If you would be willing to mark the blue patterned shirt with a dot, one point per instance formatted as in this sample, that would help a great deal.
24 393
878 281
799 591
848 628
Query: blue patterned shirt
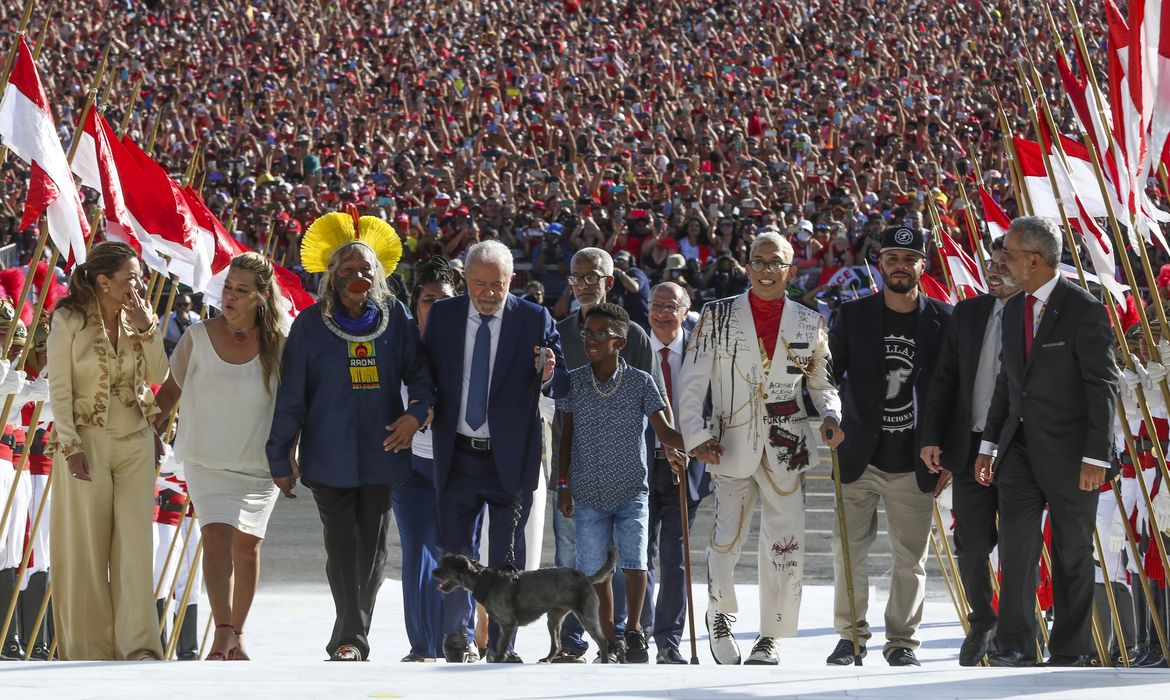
608 465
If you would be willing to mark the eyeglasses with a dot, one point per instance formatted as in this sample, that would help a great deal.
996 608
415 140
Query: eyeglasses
600 336
758 265
588 278
668 308
1009 253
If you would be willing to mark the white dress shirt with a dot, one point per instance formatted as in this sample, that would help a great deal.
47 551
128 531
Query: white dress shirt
1042 295
674 361
988 368
473 323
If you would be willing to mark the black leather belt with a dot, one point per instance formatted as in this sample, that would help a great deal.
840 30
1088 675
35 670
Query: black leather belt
473 443
8 439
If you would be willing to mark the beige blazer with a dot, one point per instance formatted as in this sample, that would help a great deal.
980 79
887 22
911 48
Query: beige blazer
79 373
753 408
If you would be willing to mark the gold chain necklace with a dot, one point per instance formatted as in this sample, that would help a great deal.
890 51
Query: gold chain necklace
616 379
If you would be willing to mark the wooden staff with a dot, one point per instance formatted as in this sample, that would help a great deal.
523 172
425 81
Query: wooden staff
959 612
187 506
181 615
10 611
844 537
1112 600
1132 538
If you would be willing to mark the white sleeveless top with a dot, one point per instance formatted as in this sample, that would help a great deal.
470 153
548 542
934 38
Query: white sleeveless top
225 412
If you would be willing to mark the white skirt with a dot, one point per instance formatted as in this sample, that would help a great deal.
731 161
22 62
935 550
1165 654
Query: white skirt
244 501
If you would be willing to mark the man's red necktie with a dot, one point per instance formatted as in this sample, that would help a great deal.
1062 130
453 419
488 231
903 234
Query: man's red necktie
1029 323
665 353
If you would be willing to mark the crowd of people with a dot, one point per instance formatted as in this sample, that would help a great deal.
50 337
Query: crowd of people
672 188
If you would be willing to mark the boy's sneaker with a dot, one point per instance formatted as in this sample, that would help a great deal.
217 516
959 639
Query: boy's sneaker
723 646
616 655
636 647
764 653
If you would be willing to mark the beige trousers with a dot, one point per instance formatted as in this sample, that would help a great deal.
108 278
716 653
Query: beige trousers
781 552
908 516
103 592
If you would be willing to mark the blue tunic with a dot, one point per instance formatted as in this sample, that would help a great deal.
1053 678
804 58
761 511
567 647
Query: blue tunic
326 394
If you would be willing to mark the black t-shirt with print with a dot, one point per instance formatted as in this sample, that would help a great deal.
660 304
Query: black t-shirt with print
895 448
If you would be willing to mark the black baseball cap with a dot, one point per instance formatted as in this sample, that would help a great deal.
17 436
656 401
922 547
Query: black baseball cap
904 238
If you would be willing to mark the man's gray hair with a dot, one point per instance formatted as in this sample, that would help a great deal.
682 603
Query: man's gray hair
491 252
684 299
783 247
601 258
1039 234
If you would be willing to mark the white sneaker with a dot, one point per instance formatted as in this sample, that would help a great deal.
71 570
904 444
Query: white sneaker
723 646
766 652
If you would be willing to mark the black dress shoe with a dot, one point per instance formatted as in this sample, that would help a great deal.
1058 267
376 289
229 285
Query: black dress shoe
976 645
843 654
901 656
1152 658
670 655
1069 661
456 650
1011 659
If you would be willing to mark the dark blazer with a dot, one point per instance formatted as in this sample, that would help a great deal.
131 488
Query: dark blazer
946 419
856 342
1064 390
512 414
342 428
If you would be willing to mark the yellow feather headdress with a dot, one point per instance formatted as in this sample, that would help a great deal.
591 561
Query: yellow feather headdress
331 231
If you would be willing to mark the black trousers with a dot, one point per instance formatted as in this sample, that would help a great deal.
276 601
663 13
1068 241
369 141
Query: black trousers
1027 482
975 537
357 523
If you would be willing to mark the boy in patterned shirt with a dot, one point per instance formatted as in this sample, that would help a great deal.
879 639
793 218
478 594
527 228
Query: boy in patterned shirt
603 466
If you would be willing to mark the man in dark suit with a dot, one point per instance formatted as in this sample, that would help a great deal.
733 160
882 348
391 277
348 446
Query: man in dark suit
1051 421
487 430
669 304
953 422
884 349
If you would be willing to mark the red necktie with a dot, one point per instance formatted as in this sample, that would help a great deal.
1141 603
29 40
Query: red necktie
1029 323
665 353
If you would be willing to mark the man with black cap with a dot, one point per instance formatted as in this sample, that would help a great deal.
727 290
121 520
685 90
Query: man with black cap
884 349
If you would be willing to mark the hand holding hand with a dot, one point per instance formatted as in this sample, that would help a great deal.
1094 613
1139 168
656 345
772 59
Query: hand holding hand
709 451
565 502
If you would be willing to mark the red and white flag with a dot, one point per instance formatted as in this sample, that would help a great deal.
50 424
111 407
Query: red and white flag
27 128
935 289
1031 160
165 215
965 272
102 163
996 218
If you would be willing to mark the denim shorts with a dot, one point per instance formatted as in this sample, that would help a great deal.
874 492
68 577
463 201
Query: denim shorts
627 526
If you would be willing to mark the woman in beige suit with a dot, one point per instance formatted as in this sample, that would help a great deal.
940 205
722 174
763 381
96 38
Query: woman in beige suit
104 353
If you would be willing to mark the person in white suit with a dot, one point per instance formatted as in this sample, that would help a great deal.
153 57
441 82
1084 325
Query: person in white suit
754 353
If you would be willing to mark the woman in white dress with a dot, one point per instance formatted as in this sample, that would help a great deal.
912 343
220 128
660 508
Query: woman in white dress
220 442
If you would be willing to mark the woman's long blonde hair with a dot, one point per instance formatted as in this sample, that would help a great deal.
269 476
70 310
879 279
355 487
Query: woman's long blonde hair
268 313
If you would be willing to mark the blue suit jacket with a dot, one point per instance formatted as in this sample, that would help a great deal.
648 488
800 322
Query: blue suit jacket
512 414
857 345
342 428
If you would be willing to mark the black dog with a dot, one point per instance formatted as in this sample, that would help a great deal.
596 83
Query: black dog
517 599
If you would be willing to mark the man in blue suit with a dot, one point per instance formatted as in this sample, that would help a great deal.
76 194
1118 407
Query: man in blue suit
485 347
669 305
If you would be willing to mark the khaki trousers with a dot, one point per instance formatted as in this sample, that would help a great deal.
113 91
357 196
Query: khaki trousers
781 553
103 592
908 516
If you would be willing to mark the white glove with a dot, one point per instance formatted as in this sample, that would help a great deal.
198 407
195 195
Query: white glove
13 382
5 368
1128 390
1161 503
170 465
1115 540
1155 373
36 390
46 416
1130 378
1164 351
